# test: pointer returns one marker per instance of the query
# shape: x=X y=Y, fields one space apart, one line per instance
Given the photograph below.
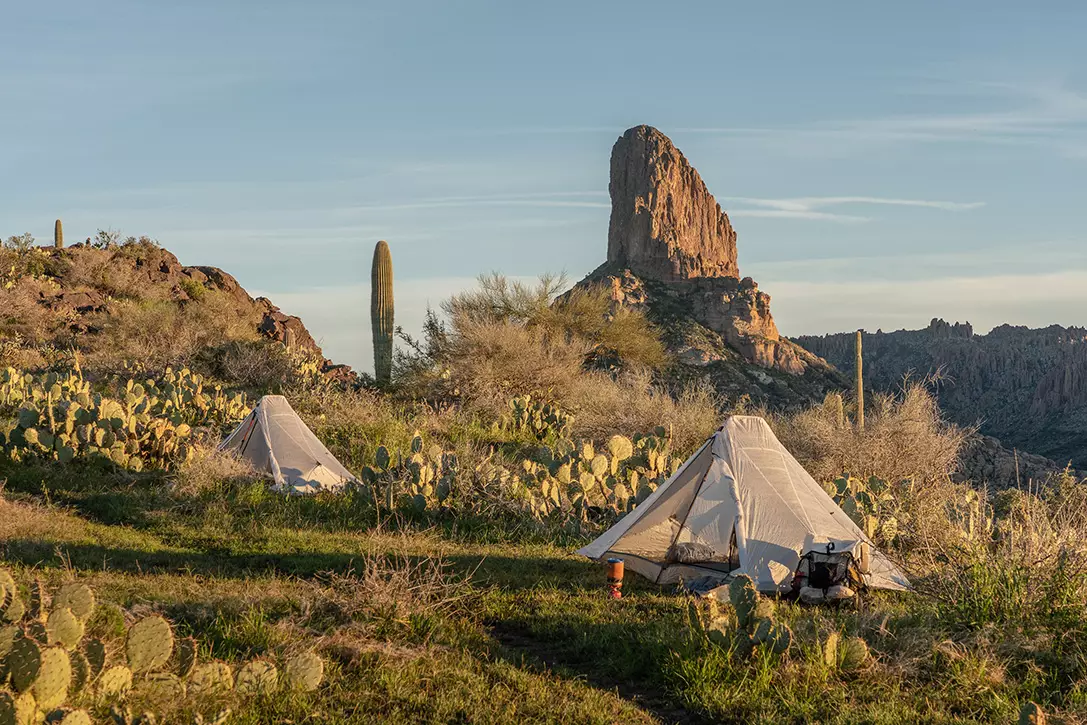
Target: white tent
x=276 y=441
x=740 y=505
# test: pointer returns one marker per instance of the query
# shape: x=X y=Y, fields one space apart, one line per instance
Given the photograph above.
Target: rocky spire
x=665 y=224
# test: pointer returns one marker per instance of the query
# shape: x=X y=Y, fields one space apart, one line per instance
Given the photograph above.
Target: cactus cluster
x=50 y=672
x=149 y=425
x=975 y=517
x=869 y=503
x=539 y=418
x=749 y=626
x=568 y=482
x=425 y=478
x=573 y=479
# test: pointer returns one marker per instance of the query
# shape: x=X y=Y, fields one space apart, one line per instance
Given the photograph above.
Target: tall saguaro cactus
x=58 y=235
x=381 y=312
x=860 y=385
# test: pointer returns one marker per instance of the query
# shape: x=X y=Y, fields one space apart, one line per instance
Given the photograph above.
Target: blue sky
x=882 y=163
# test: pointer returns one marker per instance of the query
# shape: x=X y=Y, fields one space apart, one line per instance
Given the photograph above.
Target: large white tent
x=740 y=505
x=276 y=441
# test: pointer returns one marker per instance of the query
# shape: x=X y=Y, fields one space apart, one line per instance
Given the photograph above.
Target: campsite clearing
x=441 y=626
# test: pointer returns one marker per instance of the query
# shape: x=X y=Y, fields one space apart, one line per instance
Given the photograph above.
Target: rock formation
x=665 y=224
x=66 y=290
x=1026 y=387
x=672 y=251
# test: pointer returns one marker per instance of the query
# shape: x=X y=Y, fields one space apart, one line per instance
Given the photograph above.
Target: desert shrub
x=393 y=597
x=20 y=243
x=584 y=314
x=507 y=339
x=907 y=444
x=22 y=316
x=258 y=365
x=193 y=289
x=159 y=334
x=211 y=470
x=905 y=436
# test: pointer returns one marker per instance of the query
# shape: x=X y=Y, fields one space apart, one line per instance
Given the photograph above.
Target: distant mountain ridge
x=1027 y=387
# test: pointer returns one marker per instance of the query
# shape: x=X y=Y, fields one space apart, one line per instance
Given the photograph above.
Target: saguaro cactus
x=381 y=312
x=58 y=235
x=860 y=385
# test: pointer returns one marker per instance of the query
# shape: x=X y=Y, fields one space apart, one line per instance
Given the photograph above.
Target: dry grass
x=211 y=470
x=159 y=334
x=507 y=339
x=905 y=436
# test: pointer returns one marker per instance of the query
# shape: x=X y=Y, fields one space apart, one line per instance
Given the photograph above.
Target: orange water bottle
x=615 y=578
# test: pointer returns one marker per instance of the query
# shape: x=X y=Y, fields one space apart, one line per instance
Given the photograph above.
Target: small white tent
x=740 y=505
x=276 y=441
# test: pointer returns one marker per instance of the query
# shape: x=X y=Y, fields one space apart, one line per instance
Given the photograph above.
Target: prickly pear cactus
x=76 y=717
x=18 y=709
x=24 y=661
x=36 y=611
x=149 y=644
x=211 y=678
x=81 y=672
x=305 y=671
x=830 y=650
x=186 y=656
x=852 y=654
x=77 y=597
x=113 y=684
x=95 y=650
x=64 y=628
x=1032 y=714
x=50 y=688
x=163 y=689
x=258 y=677
x=744 y=598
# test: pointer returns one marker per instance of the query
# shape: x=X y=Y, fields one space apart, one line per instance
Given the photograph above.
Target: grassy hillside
x=445 y=588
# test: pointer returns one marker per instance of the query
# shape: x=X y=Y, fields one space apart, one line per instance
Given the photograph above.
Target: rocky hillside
x=672 y=252
x=1027 y=387
x=134 y=304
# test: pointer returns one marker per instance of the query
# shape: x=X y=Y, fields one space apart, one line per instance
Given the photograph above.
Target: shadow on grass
x=620 y=657
x=505 y=572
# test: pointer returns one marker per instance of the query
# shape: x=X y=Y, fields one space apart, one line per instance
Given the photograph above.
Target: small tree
x=107 y=238
x=21 y=243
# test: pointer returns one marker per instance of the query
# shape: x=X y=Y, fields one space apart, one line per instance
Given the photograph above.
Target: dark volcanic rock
x=275 y=325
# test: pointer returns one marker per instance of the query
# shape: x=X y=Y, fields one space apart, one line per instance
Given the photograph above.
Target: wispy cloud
x=808 y=207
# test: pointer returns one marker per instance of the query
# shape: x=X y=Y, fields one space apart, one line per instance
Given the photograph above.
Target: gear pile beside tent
x=276 y=442
x=743 y=505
